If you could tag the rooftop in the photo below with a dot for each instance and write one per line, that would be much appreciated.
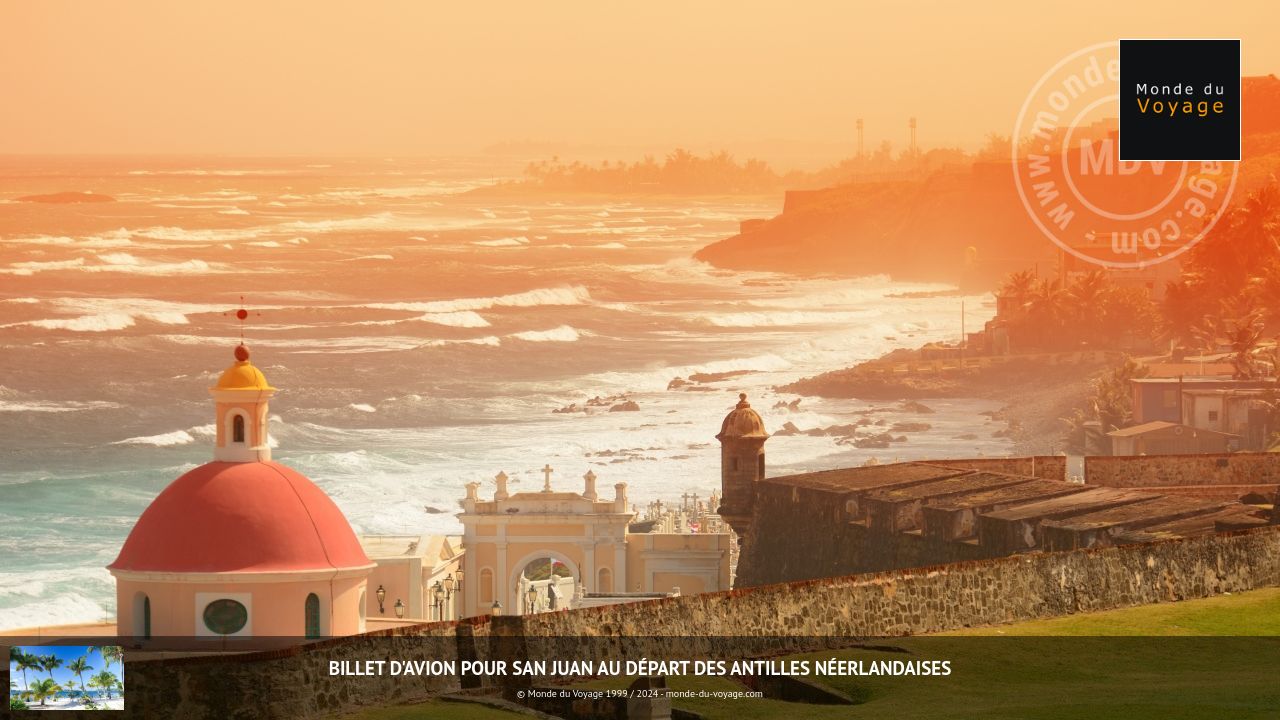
(1029, 491)
(1159, 425)
(1160, 508)
(949, 486)
(1092, 498)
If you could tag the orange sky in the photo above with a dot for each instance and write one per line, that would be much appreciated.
(414, 78)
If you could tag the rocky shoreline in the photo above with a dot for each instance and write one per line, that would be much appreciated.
(1035, 395)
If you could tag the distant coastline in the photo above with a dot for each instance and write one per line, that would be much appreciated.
(1035, 394)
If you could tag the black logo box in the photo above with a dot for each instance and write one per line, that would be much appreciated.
(1187, 68)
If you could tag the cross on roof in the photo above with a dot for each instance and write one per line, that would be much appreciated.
(546, 472)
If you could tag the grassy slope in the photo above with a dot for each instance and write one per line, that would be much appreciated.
(1251, 613)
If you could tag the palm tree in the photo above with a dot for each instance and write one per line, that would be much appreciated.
(1018, 286)
(25, 661)
(1258, 229)
(49, 663)
(42, 689)
(1241, 323)
(1046, 309)
(79, 666)
(110, 654)
(1183, 309)
(105, 680)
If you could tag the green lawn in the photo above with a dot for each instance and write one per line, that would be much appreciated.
(1170, 661)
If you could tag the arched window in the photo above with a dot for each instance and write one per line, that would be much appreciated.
(760, 469)
(313, 616)
(363, 611)
(142, 616)
(605, 584)
(237, 429)
(486, 589)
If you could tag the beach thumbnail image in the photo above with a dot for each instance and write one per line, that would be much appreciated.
(66, 677)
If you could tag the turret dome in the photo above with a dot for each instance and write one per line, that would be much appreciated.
(742, 422)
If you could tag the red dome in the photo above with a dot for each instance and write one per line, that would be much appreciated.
(241, 517)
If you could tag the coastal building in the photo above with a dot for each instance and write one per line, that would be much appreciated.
(418, 577)
(241, 546)
(1245, 413)
(548, 550)
(1165, 438)
(1161, 398)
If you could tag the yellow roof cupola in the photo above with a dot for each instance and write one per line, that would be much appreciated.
(242, 375)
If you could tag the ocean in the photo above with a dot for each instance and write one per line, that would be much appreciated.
(422, 328)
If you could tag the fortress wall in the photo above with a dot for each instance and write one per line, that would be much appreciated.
(790, 617)
(295, 682)
(946, 597)
(1158, 472)
(801, 533)
(1049, 467)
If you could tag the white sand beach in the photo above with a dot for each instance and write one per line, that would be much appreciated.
(77, 704)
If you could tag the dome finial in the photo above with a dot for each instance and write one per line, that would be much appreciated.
(241, 314)
(242, 353)
(742, 401)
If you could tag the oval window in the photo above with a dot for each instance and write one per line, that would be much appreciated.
(225, 617)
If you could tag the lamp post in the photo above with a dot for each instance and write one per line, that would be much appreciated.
(496, 610)
(399, 608)
(448, 595)
(381, 592)
(438, 591)
(530, 597)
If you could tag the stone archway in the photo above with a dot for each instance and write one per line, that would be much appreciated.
(508, 532)
(515, 588)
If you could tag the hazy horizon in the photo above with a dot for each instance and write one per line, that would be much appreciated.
(413, 79)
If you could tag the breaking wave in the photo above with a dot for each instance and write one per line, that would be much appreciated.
(783, 318)
(575, 295)
(564, 333)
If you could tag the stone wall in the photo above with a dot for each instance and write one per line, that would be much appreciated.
(295, 683)
(945, 597)
(1049, 467)
(1228, 476)
(804, 533)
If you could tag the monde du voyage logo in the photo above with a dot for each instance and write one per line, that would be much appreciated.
(1125, 153)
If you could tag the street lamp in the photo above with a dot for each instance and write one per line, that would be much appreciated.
(438, 591)
(381, 592)
(459, 579)
(399, 608)
(530, 597)
(496, 610)
(448, 595)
